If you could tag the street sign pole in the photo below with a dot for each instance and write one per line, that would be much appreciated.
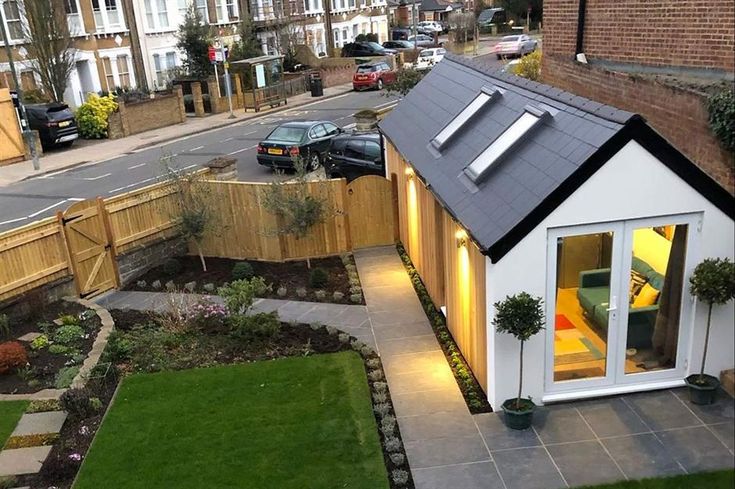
(216, 78)
(27, 133)
(228, 84)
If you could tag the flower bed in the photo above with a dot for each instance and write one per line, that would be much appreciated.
(52, 360)
(332, 279)
(468, 384)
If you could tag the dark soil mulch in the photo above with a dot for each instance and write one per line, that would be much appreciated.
(45, 365)
(291, 275)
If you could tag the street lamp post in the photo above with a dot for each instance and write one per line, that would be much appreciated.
(27, 134)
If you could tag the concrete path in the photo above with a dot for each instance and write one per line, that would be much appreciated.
(352, 319)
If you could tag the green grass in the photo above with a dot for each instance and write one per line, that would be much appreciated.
(709, 480)
(10, 413)
(290, 423)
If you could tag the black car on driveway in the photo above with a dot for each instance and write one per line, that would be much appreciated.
(54, 122)
(303, 139)
(354, 155)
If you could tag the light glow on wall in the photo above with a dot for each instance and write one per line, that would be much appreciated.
(413, 213)
(463, 276)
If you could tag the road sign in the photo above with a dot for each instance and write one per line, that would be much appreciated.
(211, 53)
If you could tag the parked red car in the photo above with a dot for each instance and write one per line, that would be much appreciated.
(373, 75)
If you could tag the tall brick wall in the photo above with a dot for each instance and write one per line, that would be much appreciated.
(678, 114)
(685, 33)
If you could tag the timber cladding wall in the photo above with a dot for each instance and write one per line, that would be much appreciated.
(11, 148)
(454, 275)
(692, 33)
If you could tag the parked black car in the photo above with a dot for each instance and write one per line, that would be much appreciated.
(304, 139)
(54, 122)
(359, 49)
(354, 155)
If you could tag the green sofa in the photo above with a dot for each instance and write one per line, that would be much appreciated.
(594, 293)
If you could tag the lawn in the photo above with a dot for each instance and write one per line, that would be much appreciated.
(709, 480)
(288, 423)
(10, 413)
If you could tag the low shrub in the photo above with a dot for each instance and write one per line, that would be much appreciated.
(320, 295)
(382, 408)
(172, 266)
(338, 296)
(208, 317)
(40, 342)
(257, 326)
(375, 375)
(242, 270)
(12, 355)
(119, 348)
(240, 294)
(57, 349)
(65, 377)
(92, 116)
(69, 320)
(69, 335)
(301, 292)
(392, 444)
(43, 406)
(400, 477)
(318, 278)
(397, 458)
(78, 403)
(4, 326)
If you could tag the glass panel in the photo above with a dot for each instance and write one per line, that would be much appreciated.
(654, 304)
(582, 302)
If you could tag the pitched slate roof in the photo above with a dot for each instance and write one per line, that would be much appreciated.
(536, 173)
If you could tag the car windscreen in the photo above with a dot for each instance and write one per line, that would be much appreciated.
(287, 134)
(510, 39)
(375, 46)
(367, 69)
(426, 54)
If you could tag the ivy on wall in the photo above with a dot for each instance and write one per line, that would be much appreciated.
(721, 107)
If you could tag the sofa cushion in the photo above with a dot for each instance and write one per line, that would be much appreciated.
(648, 296)
(589, 297)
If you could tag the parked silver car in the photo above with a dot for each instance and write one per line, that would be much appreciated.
(421, 40)
(517, 45)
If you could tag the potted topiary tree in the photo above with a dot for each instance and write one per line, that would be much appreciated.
(522, 316)
(713, 282)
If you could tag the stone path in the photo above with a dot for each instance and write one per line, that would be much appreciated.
(591, 442)
(20, 461)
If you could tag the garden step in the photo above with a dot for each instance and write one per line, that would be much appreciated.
(20, 461)
(28, 337)
(727, 377)
(40, 423)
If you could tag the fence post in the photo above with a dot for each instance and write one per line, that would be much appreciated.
(102, 209)
(238, 91)
(196, 95)
(179, 92)
(214, 99)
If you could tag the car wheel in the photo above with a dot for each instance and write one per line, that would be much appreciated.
(314, 162)
(499, 56)
(380, 84)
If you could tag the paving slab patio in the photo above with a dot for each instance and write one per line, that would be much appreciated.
(20, 461)
(40, 423)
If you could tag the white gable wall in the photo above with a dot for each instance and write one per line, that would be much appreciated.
(632, 184)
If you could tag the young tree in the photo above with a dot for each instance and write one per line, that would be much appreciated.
(248, 46)
(194, 39)
(296, 209)
(194, 205)
(49, 44)
(406, 79)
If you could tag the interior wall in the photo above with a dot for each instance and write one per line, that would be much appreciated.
(600, 199)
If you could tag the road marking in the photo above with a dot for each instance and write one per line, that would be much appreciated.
(226, 139)
(349, 126)
(91, 179)
(136, 166)
(386, 104)
(241, 150)
(198, 147)
(75, 199)
(13, 220)
(131, 185)
(46, 209)
(249, 133)
(340, 118)
(190, 166)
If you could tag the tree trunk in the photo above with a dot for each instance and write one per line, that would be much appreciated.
(201, 256)
(520, 381)
(706, 343)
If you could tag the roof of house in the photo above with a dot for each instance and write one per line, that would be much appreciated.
(574, 139)
(439, 5)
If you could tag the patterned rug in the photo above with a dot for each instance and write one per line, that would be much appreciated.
(578, 373)
(570, 345)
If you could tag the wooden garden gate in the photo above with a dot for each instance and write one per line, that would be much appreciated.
(370, 212)
(90, 245)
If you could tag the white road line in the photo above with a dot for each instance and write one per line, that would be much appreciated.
(136, 166)
(91, 179)
(30, 216)
(198, 147)
(241, 150)
(75, 199)
(386, 104)
(190, 166)
(13, 220)
(249, 133)
(226, 139)
(340, 118)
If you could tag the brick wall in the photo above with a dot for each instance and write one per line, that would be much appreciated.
(685, 33)
(135, 263)
(680, 115)
(134, 118)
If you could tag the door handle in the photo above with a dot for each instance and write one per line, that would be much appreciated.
(613, 304)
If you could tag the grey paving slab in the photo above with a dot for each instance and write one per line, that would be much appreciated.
(561, 424)
(725, 432)
(429, 402)
(438, 425)
(499, 437)
(40, 423)
(481, 475)
(721, 411)
(353, 316)
(401, 316)
(266, 305)
(642, 456)
(28, 337)
(383, 274)
(403, 330)
(528, 468)
(585, 463)
(446, 451)
(611, 417)
(20, 461)
(661, 410)
(697, 449)
(414, 362)
(390, 300)
(438, 378)
(413, 344)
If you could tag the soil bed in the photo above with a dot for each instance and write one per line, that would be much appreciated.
(44, 365)
(291, 275)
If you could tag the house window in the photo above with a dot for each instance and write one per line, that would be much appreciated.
(106, 14)
(232, 12)
(345, 33)
(123, 72)
(28, 81)
(201, 6)
(354, 31)
(352, 3)
(13, 20)
(485, 96)
(479, 167)
(336, 37)
(162, 14)
(109, 75)
(149, 14)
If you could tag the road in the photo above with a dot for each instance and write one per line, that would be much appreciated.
(34, 199)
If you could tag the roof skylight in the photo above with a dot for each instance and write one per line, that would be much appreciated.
(485, 96)
(480, 166)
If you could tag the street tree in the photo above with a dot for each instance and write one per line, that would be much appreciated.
(406, 79)
(50, 45)
(248, 46)
(194, 39)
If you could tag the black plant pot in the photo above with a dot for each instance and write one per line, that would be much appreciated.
(518, 417)
(704, 392)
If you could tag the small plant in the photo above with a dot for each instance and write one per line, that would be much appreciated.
(375, 375)
(119, 348)
(208, 316)
(43, 406)
(380, 387)
(12, 356)
(261, 325)
(400, 477)
(172, 267)
(4, 327)
(356, 298)
(355, 289)
(380, 397)
(58, 349)
(70, 335)
(337, 296)
(373, 363)
(92, 116)
(318, 278)
(65, 377)
(392, 444)
(69, 320)
(382, 408)
(301, 292)
(331, 330)
(397, 458)
(25, 372)
(40, 342)
(242, 270)
(78, 403)
(282, 291)
(240, 295)
(354, 282)
(320, 295)
(343, 338)
(529, 66)
(388, 424)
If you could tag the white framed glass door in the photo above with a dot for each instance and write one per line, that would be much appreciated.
(618, 307)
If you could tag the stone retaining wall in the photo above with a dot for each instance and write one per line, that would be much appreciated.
(135, 263)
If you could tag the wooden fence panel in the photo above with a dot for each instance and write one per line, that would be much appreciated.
(32, 256)
(12, 148)
(370, 212)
